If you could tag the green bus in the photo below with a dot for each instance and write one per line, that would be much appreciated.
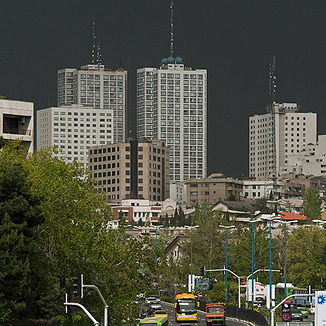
(154, 321)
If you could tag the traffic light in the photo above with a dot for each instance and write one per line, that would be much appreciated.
(281, 271)
(203, 271)
(262, 269)
(78, 286)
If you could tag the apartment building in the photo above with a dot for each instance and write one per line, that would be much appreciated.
(95, 86)
(276, 135)
(172, 106)
(17, 122)
(212, 189)
(310, 160)
(131, 170)
(73, 129)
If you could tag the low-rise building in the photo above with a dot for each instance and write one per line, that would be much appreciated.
(17, 122)
(136, 210)
(212, 189)
(255, 189)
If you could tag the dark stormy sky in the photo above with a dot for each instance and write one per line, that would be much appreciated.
(233, 39)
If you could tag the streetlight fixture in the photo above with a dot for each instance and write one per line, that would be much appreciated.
(191, 277)
(285, 223)
(252, 260)
(270, 219)
(226, 259)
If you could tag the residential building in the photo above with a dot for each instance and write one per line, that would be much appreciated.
(72, 129)
(212, 189)
(17, 122)
(136, 210)
(178, 192)
(310, 160)
(276, 135)
(172, 106)
(136, 170)
(254, 189)
(95, 86)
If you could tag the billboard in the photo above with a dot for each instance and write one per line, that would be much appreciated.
(320, 313)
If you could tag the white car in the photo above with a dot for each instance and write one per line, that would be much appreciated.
(311, 310)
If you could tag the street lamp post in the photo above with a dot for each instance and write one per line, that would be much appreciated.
(191, 277)
(270, 219)
(226, 259)
(285, 223)
(252, 260)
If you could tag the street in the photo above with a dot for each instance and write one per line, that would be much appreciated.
(169, 307)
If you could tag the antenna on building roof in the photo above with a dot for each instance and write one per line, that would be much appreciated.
(96, 48)
(272, 81)
(171, 30)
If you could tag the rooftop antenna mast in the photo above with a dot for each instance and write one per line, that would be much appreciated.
(272, 145)
(96, 49)
(272, 82)
(171, 30)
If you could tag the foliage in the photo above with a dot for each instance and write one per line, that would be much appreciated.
(311, 203)
(20, 215)
(306, 257)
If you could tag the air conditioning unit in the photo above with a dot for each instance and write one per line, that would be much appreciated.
(21, 120)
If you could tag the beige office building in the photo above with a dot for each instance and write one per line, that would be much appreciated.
(212, 189)
(131, 170)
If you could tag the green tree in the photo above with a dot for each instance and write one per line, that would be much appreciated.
(20, 215)
(311, 203)
(306, 257)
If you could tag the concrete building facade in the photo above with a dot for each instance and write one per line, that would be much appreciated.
(172, 106)
(137, 210)
(212, 189)
(17, 122)
(285, 127)
(131, 170)
(311, 160)
(73, 129)
(95, 86)
(255, 189)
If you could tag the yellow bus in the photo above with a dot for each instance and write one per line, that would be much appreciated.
(154, 321)
(185, 307)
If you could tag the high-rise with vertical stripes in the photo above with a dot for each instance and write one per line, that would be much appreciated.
(172, 106)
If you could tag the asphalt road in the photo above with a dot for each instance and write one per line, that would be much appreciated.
(169, 307)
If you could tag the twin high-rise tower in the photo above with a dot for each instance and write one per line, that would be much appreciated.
(172, 106)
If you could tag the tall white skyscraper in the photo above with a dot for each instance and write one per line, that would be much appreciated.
(95, 86)
(276, 135)
(172, 106)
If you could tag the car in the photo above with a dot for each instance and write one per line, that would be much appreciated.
(296, 315)
(311, 309)
(304, 311)
(160, 313)
(153, 299)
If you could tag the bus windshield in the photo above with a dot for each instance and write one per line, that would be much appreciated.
(186, 305)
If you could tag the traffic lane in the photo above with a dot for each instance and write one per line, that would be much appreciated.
(169, 307)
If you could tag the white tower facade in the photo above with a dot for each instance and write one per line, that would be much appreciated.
(73, 129)
(290, 129)
(95, 86)
(172, 106)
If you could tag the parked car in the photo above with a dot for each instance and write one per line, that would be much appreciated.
(304, 311)
(296, 315)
